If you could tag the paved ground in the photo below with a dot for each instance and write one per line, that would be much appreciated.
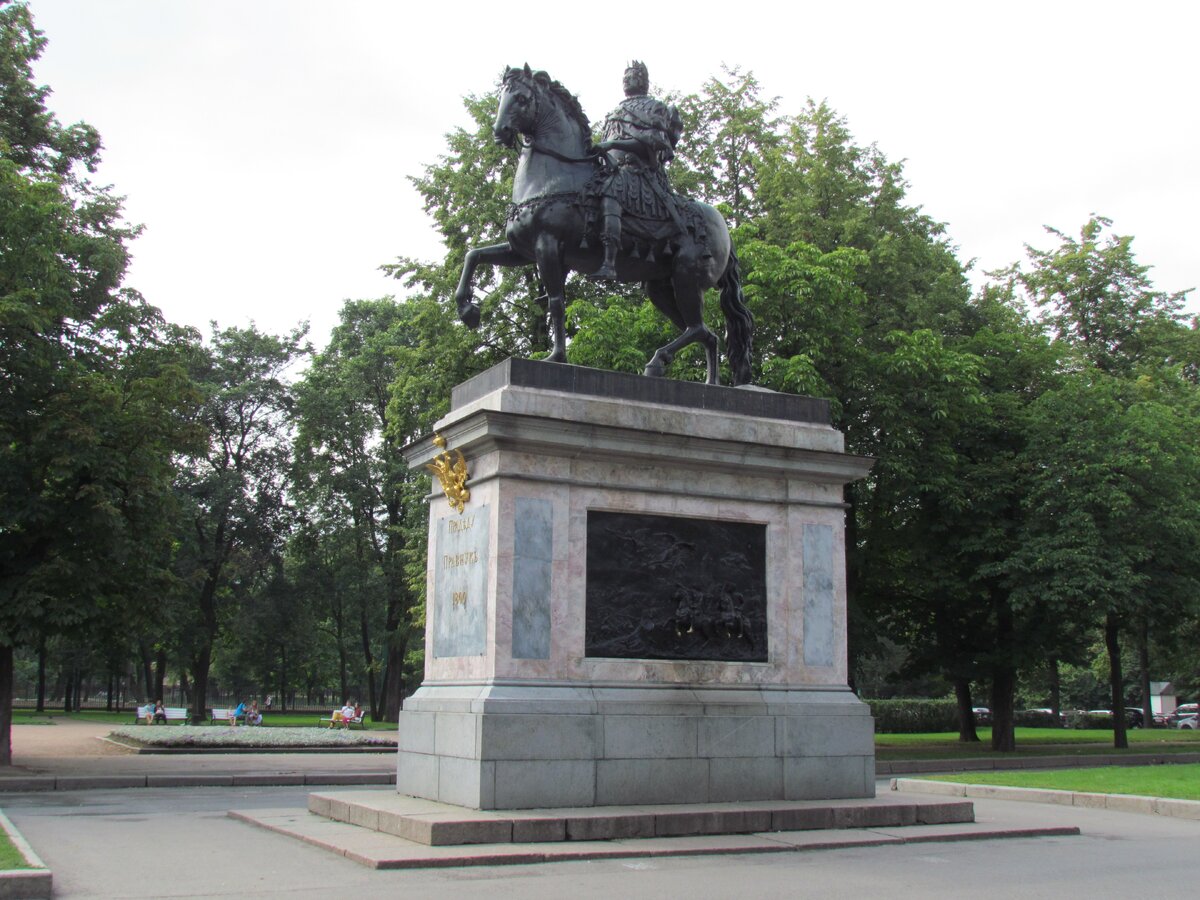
(71, 748)
(179, 842)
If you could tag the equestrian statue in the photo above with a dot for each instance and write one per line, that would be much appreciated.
(607, 210)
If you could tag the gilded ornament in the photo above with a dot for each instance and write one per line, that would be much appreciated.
(452, 473)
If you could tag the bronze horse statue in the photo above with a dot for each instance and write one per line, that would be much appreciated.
(551, 223)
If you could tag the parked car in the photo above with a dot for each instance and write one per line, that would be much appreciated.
(1183, 711)
(1191, 723)
(983, 715)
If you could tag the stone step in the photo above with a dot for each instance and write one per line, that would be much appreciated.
(434, 824)
(378, 850)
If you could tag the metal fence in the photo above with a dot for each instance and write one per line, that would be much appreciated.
(127, 696)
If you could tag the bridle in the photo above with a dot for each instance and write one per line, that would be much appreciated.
(590, 156)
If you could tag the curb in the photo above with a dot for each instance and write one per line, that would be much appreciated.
(167, 780)
(36, 883)
(1157, 806)
(143, 750)
(997, 764)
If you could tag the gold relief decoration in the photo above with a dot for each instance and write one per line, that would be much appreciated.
(452, 473)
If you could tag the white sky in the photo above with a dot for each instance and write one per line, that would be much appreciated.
(266, 145)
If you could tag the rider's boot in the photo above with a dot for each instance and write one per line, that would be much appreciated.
(611, 237)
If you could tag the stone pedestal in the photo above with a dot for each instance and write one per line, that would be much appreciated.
(643, 601)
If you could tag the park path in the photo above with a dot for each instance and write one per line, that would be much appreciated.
(70, 747)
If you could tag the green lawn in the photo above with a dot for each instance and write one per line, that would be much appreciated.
(1178, 782)
(1035, 742)
(10, 857)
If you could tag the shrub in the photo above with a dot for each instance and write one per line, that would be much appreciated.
(1032, 718)
(914, 716)
(1077, 718)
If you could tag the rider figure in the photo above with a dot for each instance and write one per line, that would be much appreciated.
(639, 137)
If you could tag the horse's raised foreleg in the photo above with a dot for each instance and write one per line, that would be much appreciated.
(696, 334)
(686, 316)
(552, 271)
(493, 255)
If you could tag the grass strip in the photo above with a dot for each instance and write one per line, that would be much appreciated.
(1178, 782)
(10, 856)
(1034, 742)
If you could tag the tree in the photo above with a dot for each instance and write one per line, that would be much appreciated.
(1112, 486)
(1097, 298)
(233, 494)
(1112, 473)
(359, 502)
(94, 401)
(728, 131)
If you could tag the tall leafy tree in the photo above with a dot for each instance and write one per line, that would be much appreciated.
(1110, 484)
(360, 497)
(728, 131)
(94, 400)
(234, 493)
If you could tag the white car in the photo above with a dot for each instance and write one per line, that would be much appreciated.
(1191, 722)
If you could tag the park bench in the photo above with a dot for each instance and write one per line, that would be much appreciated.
(330, 721)
(173, 714)
(220, 714)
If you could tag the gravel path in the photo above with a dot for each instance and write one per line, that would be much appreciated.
(68, 738)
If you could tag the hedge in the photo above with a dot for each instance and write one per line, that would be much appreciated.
(914, 716)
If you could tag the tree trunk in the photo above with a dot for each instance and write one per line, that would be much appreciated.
(6, 708)
(160, 673)
(146, 659)
(966, 714)
(393, 683)
(200, 665)
(1144, 673)
(369, 658)
(1055, 686)
(41, 685)
(1004, 680)
(68, 686)
(108, 693)
(1112, 640)
(1004, 686)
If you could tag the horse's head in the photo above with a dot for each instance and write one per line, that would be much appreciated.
(531, 101)
(519, 92)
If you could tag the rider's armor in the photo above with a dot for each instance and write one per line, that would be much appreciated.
(639, 183)
(636, 183)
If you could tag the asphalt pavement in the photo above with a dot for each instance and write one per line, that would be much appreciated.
(179, 842)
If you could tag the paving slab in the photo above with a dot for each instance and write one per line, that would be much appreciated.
(383, 851)
(1131, 803)
(439, 824)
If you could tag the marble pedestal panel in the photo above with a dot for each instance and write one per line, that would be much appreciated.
(516, 712)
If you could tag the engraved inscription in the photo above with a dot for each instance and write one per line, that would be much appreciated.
(460, 559)
(460, 585)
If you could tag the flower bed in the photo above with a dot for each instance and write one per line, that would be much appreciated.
(227, 736)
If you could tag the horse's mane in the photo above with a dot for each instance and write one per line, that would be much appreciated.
(542, 79)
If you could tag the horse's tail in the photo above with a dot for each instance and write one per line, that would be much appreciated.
(739, 322)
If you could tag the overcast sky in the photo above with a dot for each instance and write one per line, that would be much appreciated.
(266, 145)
